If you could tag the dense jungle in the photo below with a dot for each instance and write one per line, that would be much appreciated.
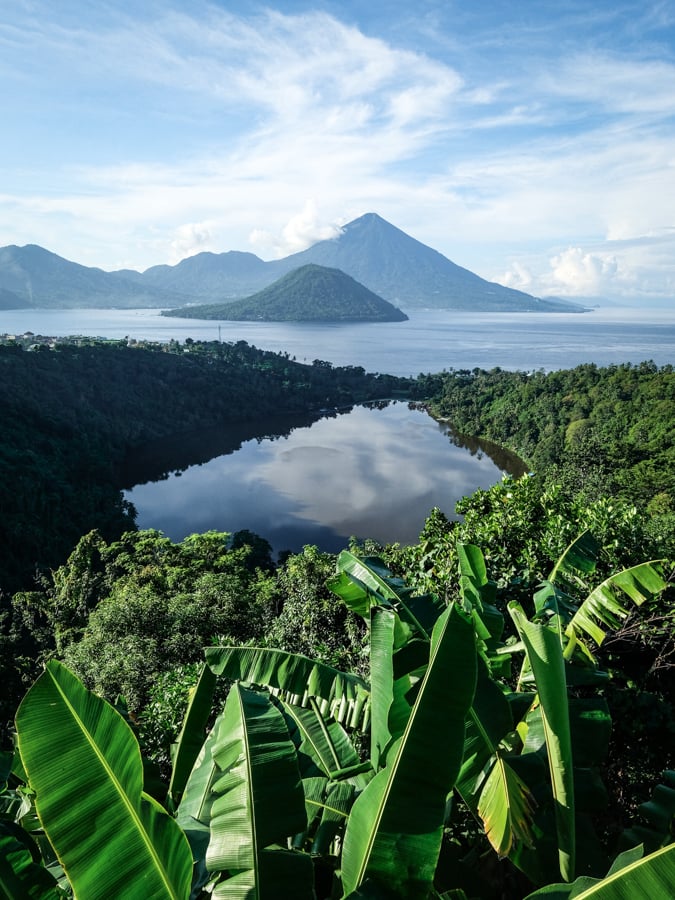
(487, 713)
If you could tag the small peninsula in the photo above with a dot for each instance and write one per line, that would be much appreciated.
(311, 293)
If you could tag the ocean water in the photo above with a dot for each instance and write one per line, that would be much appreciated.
(429, 342)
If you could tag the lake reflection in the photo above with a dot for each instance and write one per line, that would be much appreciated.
(370, 472)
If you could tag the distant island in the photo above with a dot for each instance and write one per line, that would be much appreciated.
(311, 293)
(381, 257)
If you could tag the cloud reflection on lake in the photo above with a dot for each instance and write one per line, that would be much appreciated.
(369, 472)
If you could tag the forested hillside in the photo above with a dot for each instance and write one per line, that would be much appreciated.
(70, 415)
(605, 430)
(309, 294)
(486, 714)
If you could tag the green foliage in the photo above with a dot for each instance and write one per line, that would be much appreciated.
(73, 416)
(257, 803)
(308, 618)
(162, 604)
(522, 526)
(631, 875)
(125, 614)
(111, 838)
(310, 293)
(279, 803)
(597, 431)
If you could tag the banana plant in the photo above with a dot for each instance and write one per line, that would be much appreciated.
(394, 832)
(502, 777)
(257, 804)
(545, 657)
(83, 763)
(278, 792)
(631, 875)
(296, 678)
(604, 608)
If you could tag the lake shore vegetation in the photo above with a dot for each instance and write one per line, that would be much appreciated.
(488, 713)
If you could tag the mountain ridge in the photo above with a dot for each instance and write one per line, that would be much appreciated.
(42, 279)
(390, 263)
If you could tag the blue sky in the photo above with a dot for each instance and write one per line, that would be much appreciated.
(531, 142)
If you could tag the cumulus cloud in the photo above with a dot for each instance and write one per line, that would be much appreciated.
(518, 277)
(189, 239)
(575, 272)
(305, 229)
(216, 124)
(301, 231)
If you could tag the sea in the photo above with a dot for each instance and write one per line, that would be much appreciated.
(430, 341)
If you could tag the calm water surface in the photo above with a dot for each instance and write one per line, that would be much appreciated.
(370, 472)
(429, 342)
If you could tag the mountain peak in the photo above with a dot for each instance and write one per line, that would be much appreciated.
(390, 263)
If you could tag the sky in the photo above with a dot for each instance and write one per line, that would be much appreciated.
(530, 142)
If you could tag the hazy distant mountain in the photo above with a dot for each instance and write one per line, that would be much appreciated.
(39, 278)
(212, 276)
(378, 255)
(311, 293)
(10, 300)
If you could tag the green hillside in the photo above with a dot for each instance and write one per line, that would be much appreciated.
(311, 293)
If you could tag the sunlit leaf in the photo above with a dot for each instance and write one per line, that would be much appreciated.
(84, 764)
(394, 831)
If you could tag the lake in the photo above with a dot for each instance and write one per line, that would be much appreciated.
(374, 471)
(370, 473)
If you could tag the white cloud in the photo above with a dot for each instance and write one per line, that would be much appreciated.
(220, 125)
(620, 85)
(189, 239)
(574, 272)
(518, 277)
(301, 230)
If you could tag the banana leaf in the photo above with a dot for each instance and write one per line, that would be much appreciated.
(194, 811)
(632, 877)
(487, 782)
(358, 587)
(506, 807)
(544, 653)
(364, 583)
(258, 804)
(327, 804)
(580, 556)
(478, 596)
(394, 832)
(84, 764)
(397, 665)
(604, 608)
(382, 636)
(193, 732)
(476, 590)
(322, 745)
(343, 695)
(20, 874)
